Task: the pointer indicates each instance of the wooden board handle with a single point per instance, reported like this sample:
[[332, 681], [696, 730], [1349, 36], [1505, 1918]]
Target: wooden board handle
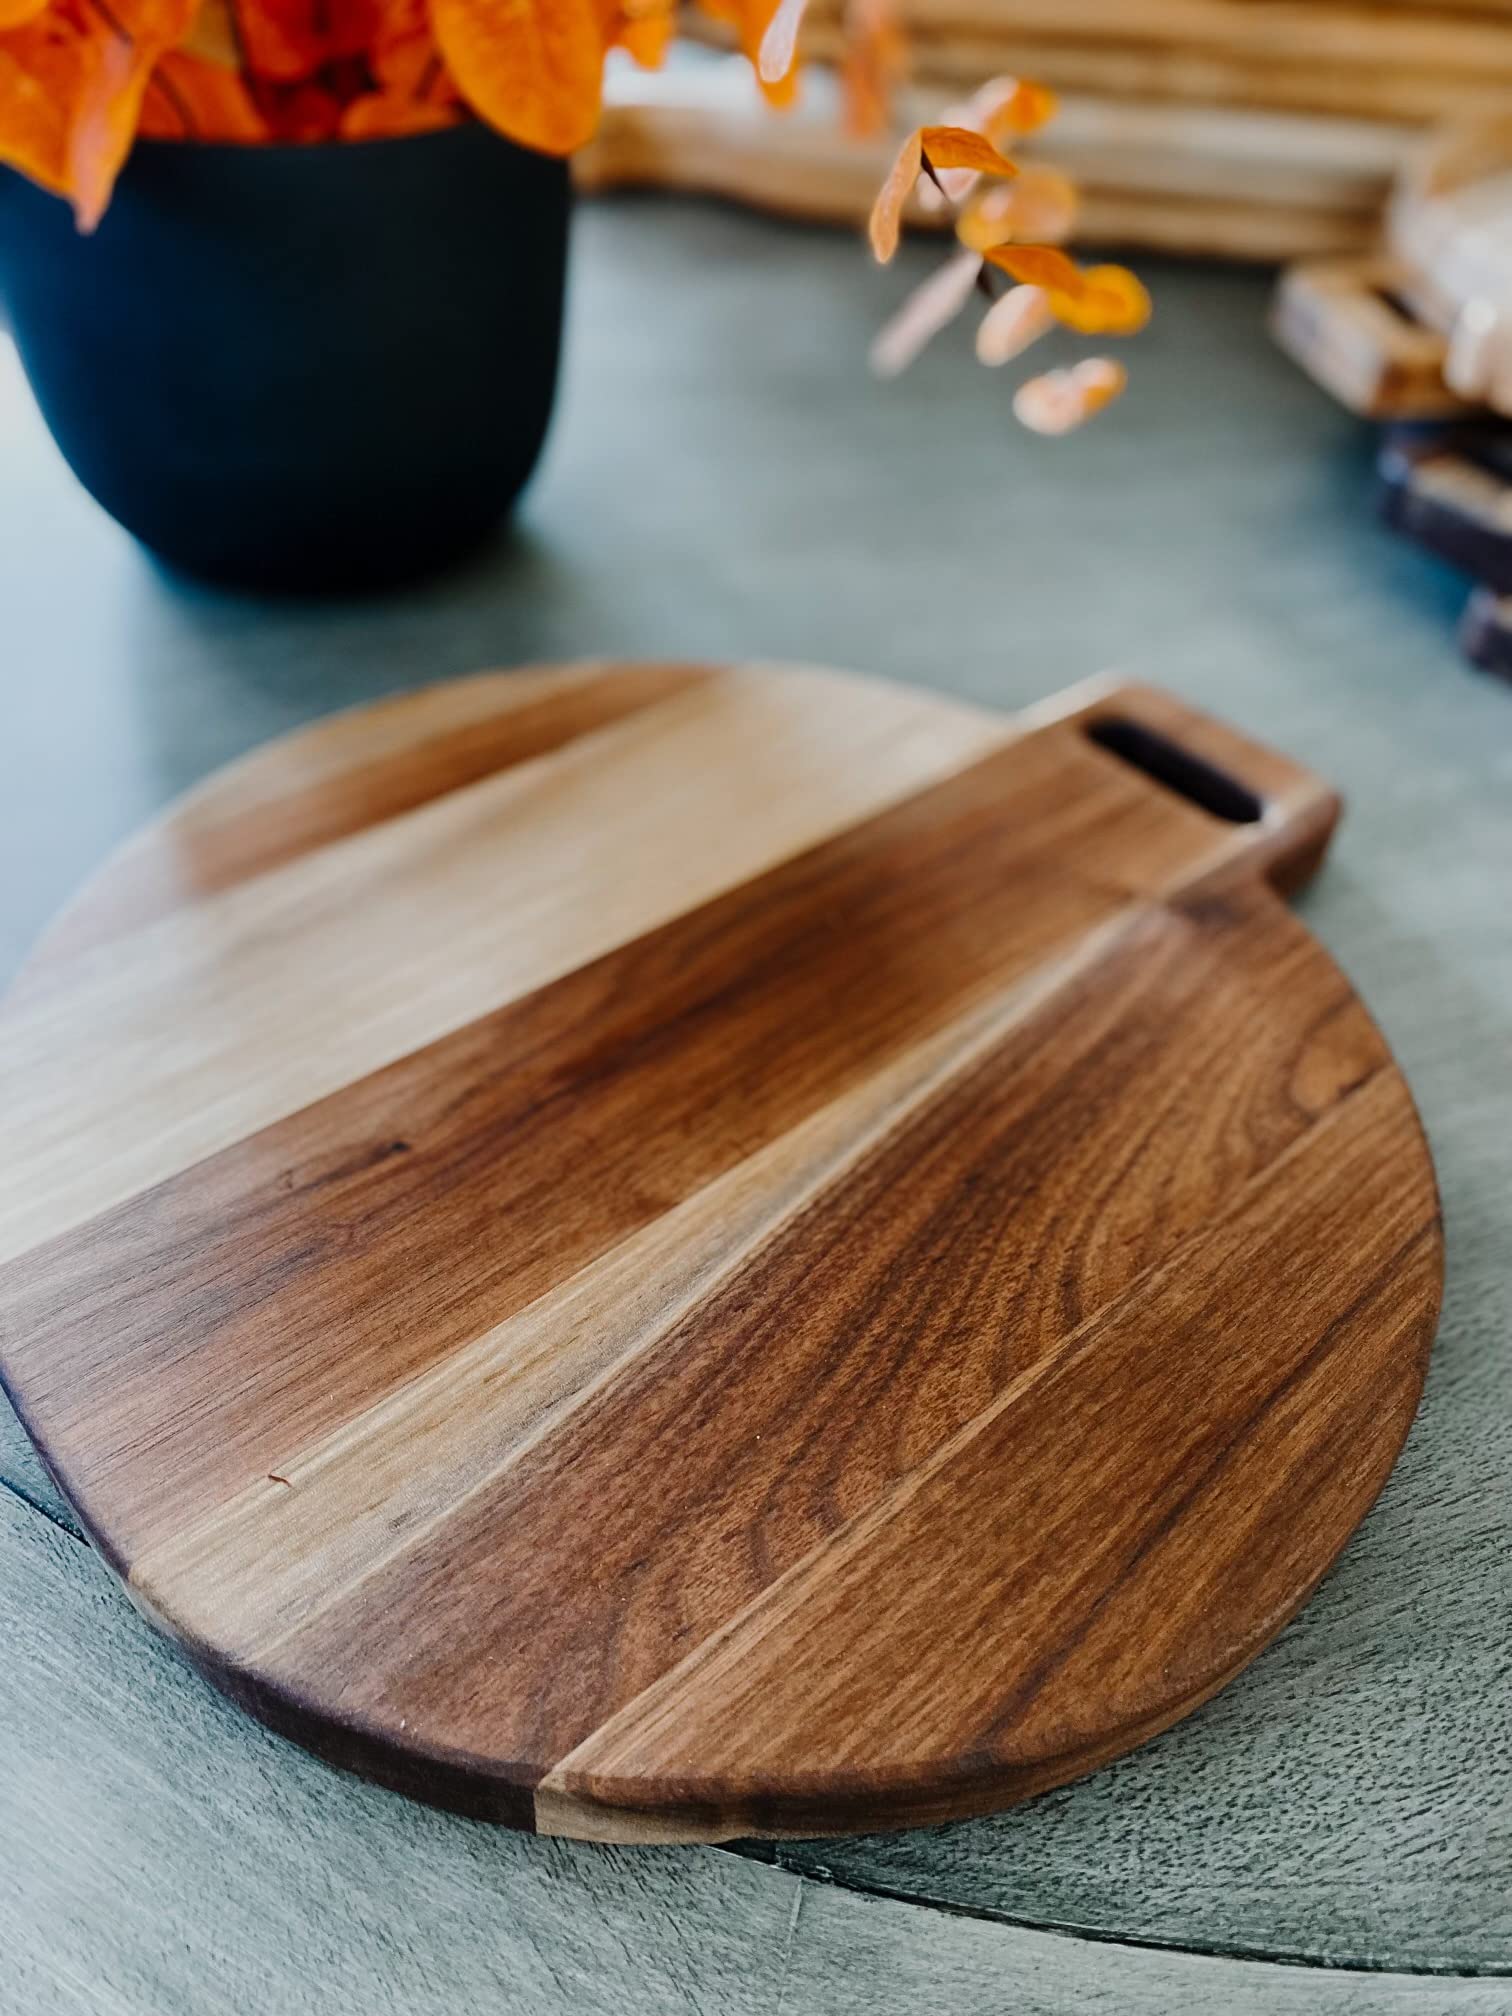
[[1282, 814]]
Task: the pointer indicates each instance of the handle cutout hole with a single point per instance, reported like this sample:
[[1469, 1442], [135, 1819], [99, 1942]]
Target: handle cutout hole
[[1177, 769]]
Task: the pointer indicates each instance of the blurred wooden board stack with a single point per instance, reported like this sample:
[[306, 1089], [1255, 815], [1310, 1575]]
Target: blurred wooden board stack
[[1485, 632], [1182, 177], [1354, 327], [1408, 60], [1422, 330], [1450, 490], [1263, 129], [1450, 225], [1423, 334]]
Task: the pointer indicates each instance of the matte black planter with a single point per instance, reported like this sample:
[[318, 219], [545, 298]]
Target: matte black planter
[[310, 367]]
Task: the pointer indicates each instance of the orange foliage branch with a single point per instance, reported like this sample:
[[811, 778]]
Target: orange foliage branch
[[1009, 226], [80, 78]]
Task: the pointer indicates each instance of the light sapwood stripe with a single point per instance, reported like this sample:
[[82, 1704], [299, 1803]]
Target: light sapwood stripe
[[224, 1018], [335, 777], [755, 1700], [255, 1571]]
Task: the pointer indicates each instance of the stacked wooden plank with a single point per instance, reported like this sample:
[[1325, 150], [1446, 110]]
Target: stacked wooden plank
[[1216, 180], [1253, 128], [1409, 60], [1355, 326], [1420, 337]]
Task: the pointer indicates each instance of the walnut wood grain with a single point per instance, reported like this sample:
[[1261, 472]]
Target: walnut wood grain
[[347, 773], [228, 1014], [766, 1253]]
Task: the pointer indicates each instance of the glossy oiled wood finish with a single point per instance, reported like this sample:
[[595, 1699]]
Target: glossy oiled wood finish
[[726, 1250], [342, 775]]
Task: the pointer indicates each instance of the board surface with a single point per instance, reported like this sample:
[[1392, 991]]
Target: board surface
[[673, 1251]]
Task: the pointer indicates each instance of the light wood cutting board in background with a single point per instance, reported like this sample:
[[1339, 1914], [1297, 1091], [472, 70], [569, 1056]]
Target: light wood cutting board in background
[[1208, 179], [667, 1251]]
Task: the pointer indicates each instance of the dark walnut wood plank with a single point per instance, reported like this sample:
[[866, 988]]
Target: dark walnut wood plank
[[1131, 1522], [830, 1364], [989, 1184]]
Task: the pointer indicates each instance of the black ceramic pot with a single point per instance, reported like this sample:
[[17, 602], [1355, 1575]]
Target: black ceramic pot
[[308, 367]]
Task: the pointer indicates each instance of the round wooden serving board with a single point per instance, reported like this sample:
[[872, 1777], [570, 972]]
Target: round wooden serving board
[[667, 1251]]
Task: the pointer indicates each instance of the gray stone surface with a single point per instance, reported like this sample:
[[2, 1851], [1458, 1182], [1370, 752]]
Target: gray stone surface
[[165, 1857], [724, 479]]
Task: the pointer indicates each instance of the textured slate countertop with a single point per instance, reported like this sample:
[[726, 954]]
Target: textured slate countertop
[[723, 479]]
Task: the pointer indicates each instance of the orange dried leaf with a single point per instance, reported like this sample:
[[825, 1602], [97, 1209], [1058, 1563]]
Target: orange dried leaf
[[118, 50], [1018, 109], [924, 314], [531, 68], [403, 56], [383, 114], [783, 95], [290, 40], [1049, 404], [1040, 207], [1114, 302], [1100, 380], [953, 184], [213, 35], [1020, 317], [644, 29], [751, 19], [1103, 301], [949, 149], [959, 147], [874, 61], [40, 77], [159, 24], [935, 192], [1038, 266], [191, 98], [1045, 205], [1094, 312], [779, 44], [887, 211], [305, 112], [865, 100], [988, 219], [104, 124], [1061, 400]]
